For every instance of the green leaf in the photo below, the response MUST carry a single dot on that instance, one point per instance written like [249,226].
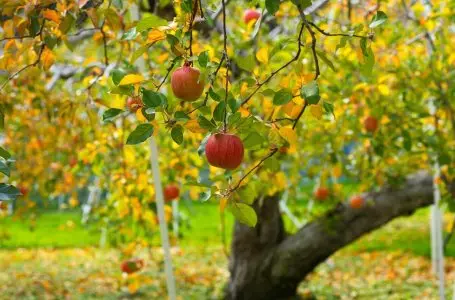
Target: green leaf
[272,6]
[282,97]
[149,22]
[117,75]
[187,5]
[5,154]
[214,95]
[172,40]
[111,113]
[4,167]
[201,149]
[328,107]
[322,56]
[34,25]
[218,113]
[67,23]
[310,92]
[151,98]
[181,116]
[302,3]
[343,42]
[407,141]
[2,119]
[206,124]
[247,63]
[118,3]
[203,59]
[253,139]
[233,104]
[363,46]
[244,214]
[140,134]
[367,67]
[129,35]
[378,19]
[205,196]
[122,90]
[177,134]
[51,41]
[138,53]
[8,192]
[247,194]
[148,113]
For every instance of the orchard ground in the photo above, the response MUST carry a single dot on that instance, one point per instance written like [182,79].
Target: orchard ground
[59,257]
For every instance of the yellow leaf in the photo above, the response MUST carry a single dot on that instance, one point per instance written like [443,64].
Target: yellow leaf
[193,126]
[384,89]
[140,117]
[47,59]
[131,79]
[51,15]
[337,171]
[133,287]
[263,55]
[155,35]
[291,109]
[289,135]
[316,111]
[223,203]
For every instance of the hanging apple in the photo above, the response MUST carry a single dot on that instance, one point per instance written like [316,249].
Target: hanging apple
[251,14]
[186,84]
[134,103]
[356,202]
[224,151]
[321,193]
[171,192]
[370,123]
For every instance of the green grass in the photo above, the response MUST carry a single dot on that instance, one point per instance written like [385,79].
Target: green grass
[63,230]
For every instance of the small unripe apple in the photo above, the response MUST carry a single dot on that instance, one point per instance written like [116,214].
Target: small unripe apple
[356,202]
[132,265]
[251,14]
[321,193]
[134,103]
[370,123]
[224,151]
[171,192]
[186,84]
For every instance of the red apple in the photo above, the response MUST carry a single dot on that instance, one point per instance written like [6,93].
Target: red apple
[321,193]
[132,265]
[356,202]
[134,103]
[251,14]
[171,192]
[186,84]
[23,190]
[370,123]
[224,151]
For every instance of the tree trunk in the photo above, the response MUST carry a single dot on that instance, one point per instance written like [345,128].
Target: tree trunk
[265,264]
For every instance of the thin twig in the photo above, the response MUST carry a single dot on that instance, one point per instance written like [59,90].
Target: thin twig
[211,84]
[25,36]
[167,74]
[272,152]
[296,57]
[25,67]
[313,45]
[337,34]
[227,66]
[299,116]
[193,16]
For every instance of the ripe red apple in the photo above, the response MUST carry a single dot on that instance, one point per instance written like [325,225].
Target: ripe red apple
[171,192]
[23,190]
[224,151]
[251,14]
[321,193]
[134,103]
[186,84]
[356,202]
[132,265]
[3,205]
[370,123]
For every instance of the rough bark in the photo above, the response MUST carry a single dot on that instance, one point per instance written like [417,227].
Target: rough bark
[267,265]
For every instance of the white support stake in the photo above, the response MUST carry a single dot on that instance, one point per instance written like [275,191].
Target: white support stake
[161,218]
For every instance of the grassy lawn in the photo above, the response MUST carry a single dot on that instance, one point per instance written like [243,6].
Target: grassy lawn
[57,259]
